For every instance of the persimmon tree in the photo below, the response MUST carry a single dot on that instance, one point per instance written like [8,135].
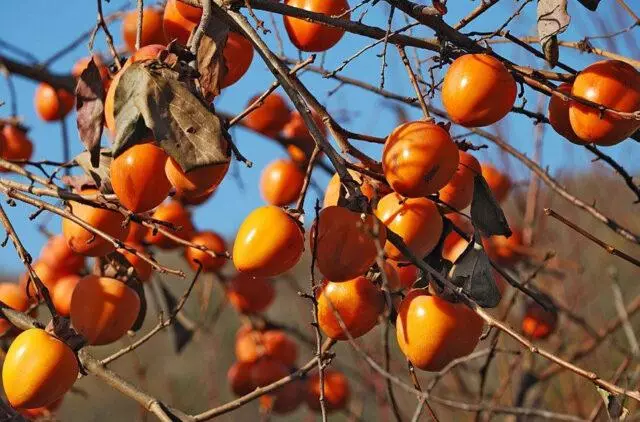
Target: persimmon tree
[411,237]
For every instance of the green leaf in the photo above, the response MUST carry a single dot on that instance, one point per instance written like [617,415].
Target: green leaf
[154,97]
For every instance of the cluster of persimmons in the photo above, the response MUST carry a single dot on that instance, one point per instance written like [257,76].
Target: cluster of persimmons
[420,162]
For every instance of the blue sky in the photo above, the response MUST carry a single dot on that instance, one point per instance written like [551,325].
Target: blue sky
[43,27]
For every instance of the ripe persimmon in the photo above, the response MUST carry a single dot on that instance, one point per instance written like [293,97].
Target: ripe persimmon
[142,267]
[213,242]
[16,146]
[238,55]
[613,84]
[559,115]
[407,273]
[267,370]
[251,345]
[62,291]
[250,295]
[14,297]
[457,194]
[138,177]
[478,90]
[194,201]
[179,20]
[336,391]
[419,158]
[53,104]
[499,183]
[281,182]
[270,117]
[269,242]
[284,400]
[195,183]
[416,220]
[83,241]
[48,275]
[57,254]
[176,214]
[358,302]
[538,323]
[37,413]
[136,232]
[239,378]
[103,309]
[296,128]
[505,250]
[152,32]
[432,332]
[345,242]
[312,36]
[38,369]
[369,188]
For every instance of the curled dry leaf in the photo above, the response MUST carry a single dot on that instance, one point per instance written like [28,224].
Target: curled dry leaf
[590,4]
[486,214]
[472,271]
[153,97]
[99,174]
[615,406]
[553,19]
[90,106]
[210,58]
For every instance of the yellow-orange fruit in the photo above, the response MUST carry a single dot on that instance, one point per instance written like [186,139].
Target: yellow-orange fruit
[281,182]
[152,32]
[416,220]
[57,254]
[358,302]
[336,391]
[103,309]
[539,323]
[53,104]
[250,295]
[269,242]
[195,183]
[407,274]
[251,345]
[478,90]
[175,213]
[270,117]
[214,243]
[432,332]
[239,378]
[458,193]
[559,115]
[266,371]
[15,145]
[419,158]
[14,297]
[312,36]
[368,187]
[499,183]
[142,267]
[37,370]
[61,293]
[285,399]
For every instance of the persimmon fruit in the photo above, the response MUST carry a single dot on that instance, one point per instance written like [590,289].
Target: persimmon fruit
[416,220]
[215,243]
[312,36]
[53,104]
[83,241]
[176,214]
[432,332]
[336,391]
[239,378]
[613,84]
[14,297]
[281,182]
[368,187]
[419,158]
[250,295]
[267,370]
[152,32]
[143,268]
[197,182]
[251,345]
[59,256]
[457,194]
[558,114]
[270,117]
[478,90]
[138,177]
[61,293]
[358,302]
[538,323]
[345,242]
[38,369]
[407,273]
[269,242]
[16,144]
[498,182]
[103,309]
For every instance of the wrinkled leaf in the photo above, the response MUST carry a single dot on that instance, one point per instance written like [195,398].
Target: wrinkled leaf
[472,271]
[553,19]
[151,96]
[90,105]
[211,63]
[181,334]
[100,174]
[486,214]
[615,408]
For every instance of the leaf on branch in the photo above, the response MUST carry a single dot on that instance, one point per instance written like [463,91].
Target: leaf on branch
[615,408]
[486,214]
[181,334]
[150,96]
[553,19]
[211,63]
[90,105]
[590,4]
[100,174]
[472,271]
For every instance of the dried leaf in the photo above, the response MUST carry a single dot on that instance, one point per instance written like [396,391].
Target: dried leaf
[100,174]
[151,96]
[472,271]
[553,19]
[90,105]
[181,334]
[211,63]
[590,4]
[615,408]
[486,214]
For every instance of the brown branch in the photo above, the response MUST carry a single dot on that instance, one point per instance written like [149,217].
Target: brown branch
[107,34]
[480,9]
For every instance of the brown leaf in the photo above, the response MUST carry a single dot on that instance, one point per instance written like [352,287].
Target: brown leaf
[152,97]
[90,105]
[210,62]
[553,19]
[486,214]
[100,175]
[590,4]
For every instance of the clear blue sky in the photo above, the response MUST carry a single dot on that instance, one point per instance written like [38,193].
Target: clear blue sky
[43,27]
